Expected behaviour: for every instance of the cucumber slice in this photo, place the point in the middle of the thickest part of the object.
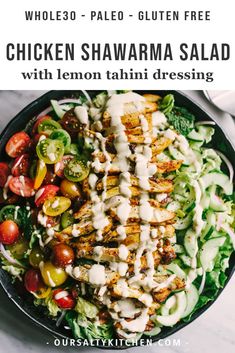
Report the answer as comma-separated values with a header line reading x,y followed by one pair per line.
x,y
209,233
186,260
176,154
169,304
172,319
209,252
57,109
206,132
195,136
219,179
192,299
183,223
190,207
196,145
205,200
155,331
174,268
217,203
173,206
190,243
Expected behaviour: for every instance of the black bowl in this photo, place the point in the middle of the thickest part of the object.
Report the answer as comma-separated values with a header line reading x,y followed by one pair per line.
x,y
220,142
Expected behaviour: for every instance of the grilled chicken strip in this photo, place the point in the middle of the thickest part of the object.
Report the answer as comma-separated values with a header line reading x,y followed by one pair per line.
x,y
81,274
132,232
156,186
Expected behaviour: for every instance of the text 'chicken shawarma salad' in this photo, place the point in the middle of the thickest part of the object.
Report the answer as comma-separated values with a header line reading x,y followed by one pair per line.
x,y
116,214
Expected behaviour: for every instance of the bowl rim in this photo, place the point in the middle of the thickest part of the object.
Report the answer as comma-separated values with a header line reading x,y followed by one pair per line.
x,y
36,106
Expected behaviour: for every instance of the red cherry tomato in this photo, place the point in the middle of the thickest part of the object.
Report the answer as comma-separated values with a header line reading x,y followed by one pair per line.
x,y
17,144
33,280
63,299
22,186
44,193
4,173
51,177
39,120
21,165
9,232
62,255
59,166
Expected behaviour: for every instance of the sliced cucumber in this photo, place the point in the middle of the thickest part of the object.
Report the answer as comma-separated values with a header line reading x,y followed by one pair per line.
x,y
195,136
57,109
183,223
190,243
218,179
192,299
186,260
217,203
208,233
176,154
206,132
155,331
173,206
169,305
209,252
179,249
189,207
205,200
174,268
172,319
196,145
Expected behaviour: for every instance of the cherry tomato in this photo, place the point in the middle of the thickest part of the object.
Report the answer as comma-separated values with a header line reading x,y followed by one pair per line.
x,y
50,178
56,206
43,293
52,276
70,189
9,232
36,256
38,121
59,167
47,126
21,165
19,248
41,171
22,186
33,280
76,170
63,299
17,144
50,151
4,173
44,193
70,122
62,255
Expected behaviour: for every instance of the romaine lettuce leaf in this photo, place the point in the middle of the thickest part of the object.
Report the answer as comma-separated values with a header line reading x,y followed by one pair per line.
x,y
86,308
86,329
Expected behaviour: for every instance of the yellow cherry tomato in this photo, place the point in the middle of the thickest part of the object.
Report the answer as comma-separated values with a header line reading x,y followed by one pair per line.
x,y
70,189
43,293
52,276
40,174
56,206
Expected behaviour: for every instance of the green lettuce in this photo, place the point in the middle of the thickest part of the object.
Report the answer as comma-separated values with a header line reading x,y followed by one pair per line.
x,y
14,271
86,308
181,119
50,304
86,329
167,104
215,280
100,100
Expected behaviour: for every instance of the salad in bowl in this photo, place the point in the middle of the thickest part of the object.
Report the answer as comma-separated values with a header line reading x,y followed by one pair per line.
x,y
116,214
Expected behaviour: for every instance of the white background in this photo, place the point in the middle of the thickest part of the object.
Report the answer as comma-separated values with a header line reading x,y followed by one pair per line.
x,y
14,28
